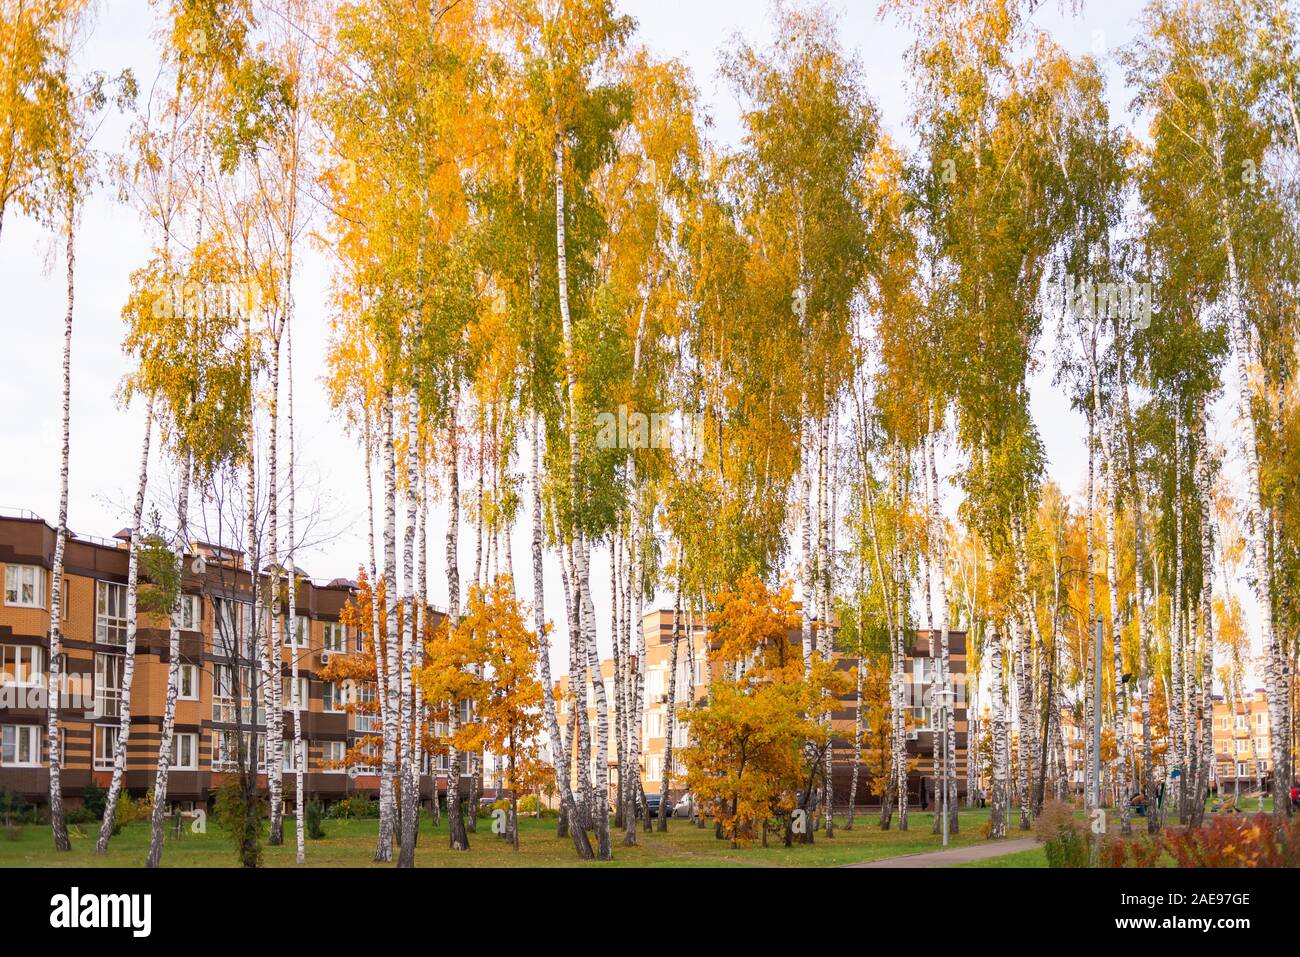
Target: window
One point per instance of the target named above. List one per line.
(654, 725)
(110, 613)
(369, 758)
(185, 751)
(188, 682)
(299, 631)
(335, 637)
(20, 745)
(20, 664)
(332, 697)
(108, 685)
(189, 612)
(332, 754)
(366, 713)
(25, 586)
(105, 746)
(225, 750)
(288, 753)
(654, 682)
(230, 636)
(304, 694)
(223, 695)
(654, 767)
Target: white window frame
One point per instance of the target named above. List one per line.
(110, 625)
(222, 736)
(189, 612)
(368, 722)
(299, 632)
(654, 682)
(103, 735)
(332, 698)
(192, 671)
(29, 578)
(235, 616)
(22, 664)
(108, 693)
(179, 762)
(332, 763)
(287, 755)
(304, 694)
(335, 639)
(17, 739)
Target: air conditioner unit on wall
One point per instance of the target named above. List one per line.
(324, 657)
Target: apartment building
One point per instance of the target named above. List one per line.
(1241, 742)
(216, 658)
(693, 675)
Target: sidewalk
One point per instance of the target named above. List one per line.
(955, 855)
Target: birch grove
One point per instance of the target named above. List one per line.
(762, 412)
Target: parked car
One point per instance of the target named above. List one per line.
(683, 808)
(652, 804)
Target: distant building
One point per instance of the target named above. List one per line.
(217, 589)
(920, 671)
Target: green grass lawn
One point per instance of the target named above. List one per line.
(351, 844)
(1034, 857)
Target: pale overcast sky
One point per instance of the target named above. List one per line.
(111, 242)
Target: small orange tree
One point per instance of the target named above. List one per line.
(490, 660)
(749, 753)
(877, 728)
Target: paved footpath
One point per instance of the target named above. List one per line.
(955, 855)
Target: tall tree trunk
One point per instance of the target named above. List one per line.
(274, 634)
(388, 760)
(1256, 520)
(1177, 709)
(299, 746)
(587, 621)
(128, 665)
(1207, 610)
(1121, 716)
(1091, 718)
(458, 839)
(411, 781)
(671, 721)
(53, 736)
(381, 678)
(558, 751)
(165, 755)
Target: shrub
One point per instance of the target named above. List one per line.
(93, 800)
(313, 813)
(1255, 840)
(14, 809)
(1062, 837)
(241, 818)
(1131, 852)
(354, 807)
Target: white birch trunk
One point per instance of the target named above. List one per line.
(388, 769)
(165, 756)
(53, 748)
(128, 665)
